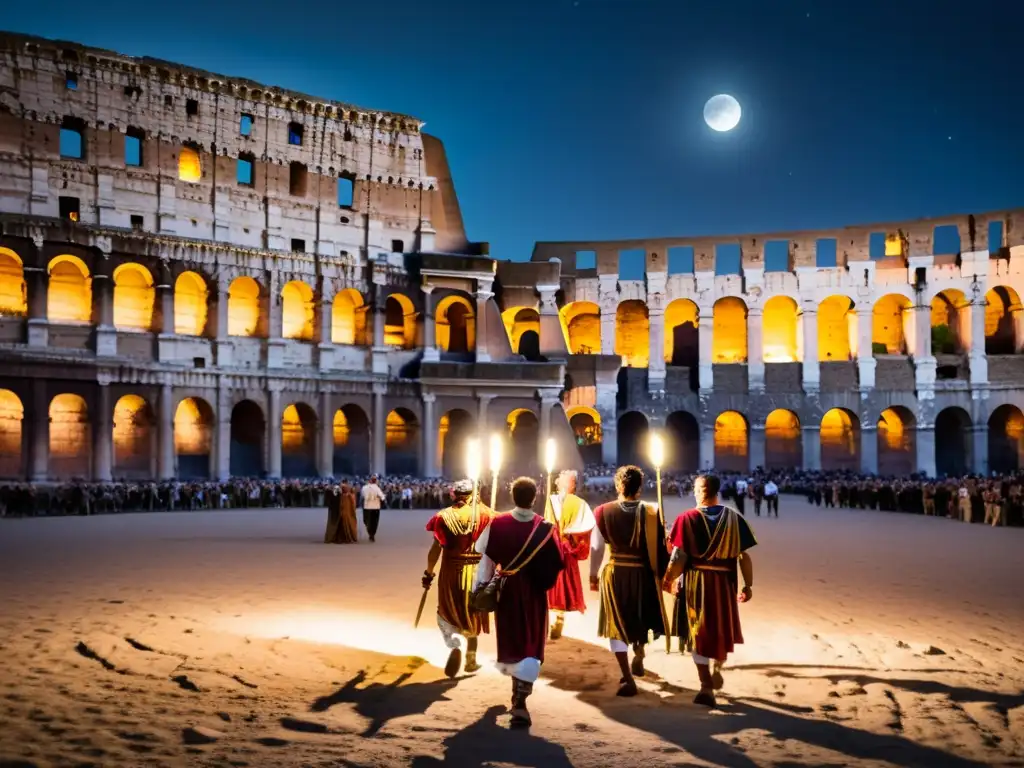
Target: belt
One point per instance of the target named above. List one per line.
(628, 561)
(712, 568)
(462, 559)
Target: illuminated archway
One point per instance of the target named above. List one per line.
(455, 325)
(682, 432)
(729, 331)
(523, 327)
(954, 440)
(781, 340)
(13, 293)
(897, 453)
(950, 321)
(298, 441)
(243, 306)
(783, 441)
(134, 438)
(837, 330)
(248, 428)
(190, 168)
(12, 420)
(69, 295)
(732, 443)
(632, 442)
(401, 442)
(682, 342)
(351, 441)
(134, 296)
(193, 438)
(298, 315)
(585, 423)
(1006, 439)
(581, 323)
(190, 304)
(633, 333)
(70, 438)
(348, 318)
(1002, 310)
(400, 321)
(892, 325)
(523, 430)
(455, 428)
(840, 441)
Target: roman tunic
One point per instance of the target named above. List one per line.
(454, 531)
(574, 522)
(348, 528)
(630, 582)
(706, 616)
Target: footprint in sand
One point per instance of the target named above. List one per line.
(195, 736)
(303, 726)
(272, 741)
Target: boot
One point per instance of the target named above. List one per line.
(556, 628)
(706, 697)
(454, 664)
(520, 715)
(471, 664)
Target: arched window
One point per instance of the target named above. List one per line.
(13, 297)
(243, 307)
(190, 168)
(190, 304)
(134, 296)
(69, 297)
(297, 311)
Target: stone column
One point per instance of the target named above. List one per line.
(222, 344)
(165, 335)
(656, 346)
(707, 447)
(275, 326)
(979, 451)
(552, 338)
(544, 432)
(274, 433)
(483, 298)
(103, 297)
(165, 429)
(924, 361)
(1017, 315)
(869, 450)
(222, 451)
(705, 330)
(483, 401)
(977, 359)
(37, 283)
(811, 437)
(325, 437)
(811, 364)
(924, 449)
(865, 357)
(40, 430)
(380, 300)
(757, 446)
(430, 466)
(325, 338)
(378, 456)
(609, 440)
(102, 436)
(755, 350)
(431, 354)
(608, 301)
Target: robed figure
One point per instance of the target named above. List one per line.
(574, 521)
(342, 526)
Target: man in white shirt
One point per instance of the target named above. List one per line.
(741, 496)
(771, 498)
(372, 497)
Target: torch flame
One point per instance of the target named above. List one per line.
(549, 456)
(657, 451)
(473, 459)
(495, 453)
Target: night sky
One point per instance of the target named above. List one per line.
(573, 119)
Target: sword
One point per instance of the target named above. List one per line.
(419, 612)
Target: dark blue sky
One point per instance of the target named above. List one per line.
(572, 119)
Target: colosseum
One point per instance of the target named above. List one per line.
(202, 276)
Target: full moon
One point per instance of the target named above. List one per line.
(722, 112)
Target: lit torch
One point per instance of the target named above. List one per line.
(495, 467)
(657, 459)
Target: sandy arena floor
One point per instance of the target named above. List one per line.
(236, 638)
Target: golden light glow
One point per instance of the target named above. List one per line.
(190, 168)
(455, 325)
(586, 425)
(837, 329)
(549, 455)
(400, 322)
(682, 318)
(840, 440)
(495, 453)
(190, 304)
(342, 431)
(13, 293)
(520, 320)
(729, 331)
(581, 324)
(946, 311)
(731, 442)
(473, 459)
(399, 429)
(779, 326)
(69, 296)
(892, 431)
(193, 427)
(657, 450)
(133, 433)
(893, 245)
(633, 333)
(348, 318)
(243, 307)
(1000, 303)
(134, 296)
(12, 418)
(783, 443)
(891, 319)
(456, 422)
(298, 315)
(69, 427)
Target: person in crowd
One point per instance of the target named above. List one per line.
(372, 498)
(574, 521)
(771, 497)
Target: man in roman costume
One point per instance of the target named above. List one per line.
(574, 521)
(630, 582)
(708, 543)
(455, 534)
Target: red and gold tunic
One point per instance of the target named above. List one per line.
(453, 529)
(574, 522)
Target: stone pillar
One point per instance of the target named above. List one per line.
(707, 447)
(275, 326)
(924, 361)
(222, 344)
(869, 450)
(165, 335)
(544, 431)
(378, 456)
(552, 338)
(811, 364)
(811, 437)
(103, 311)
(37, 284)
(165, 432)
(755, 350)
(380, 300)
(483, 401)
(222, 451)
(102, 436)
(924, 448)
(977, 359)
(483, 298)
(865, 357)
(431, 354)
(656, 345)
(40, 434)
(609, 440)
(757, 446)
(325, 437)
(608, 301)
(325, 333)
(274, 433)
(1017, 315)
(430, 466)
(705, 331)
(979, 450)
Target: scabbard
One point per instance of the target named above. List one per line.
(419, 611)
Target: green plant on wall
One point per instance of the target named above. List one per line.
(943, 340)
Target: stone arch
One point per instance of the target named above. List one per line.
(632, 433)
(954, 442)
(950, 322)
(581, 323)
(456, 426)
(897, 444)
(12, 422)
(781, 333)
(682, 431)
(348, 318)
(191, 302)
(732, 442)
(892, 325)
(399, 321)
(523, 327)
(783, 440)
(248, 431)
(69, 294)
(682, 340)
(13, 292)
(134, 438)
(193, 438)
(729, 331)
(298, 441)
(351, 441)
(1002, 315)
(70, 438)
(1006, 439)
(523, 430)
(190, 167)
(585, 423)
(633, 333)
(837, 329)
(455, 325)
(134, 297)
(840, 441)
(298, 313)
(401, 433)
(243, 306)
